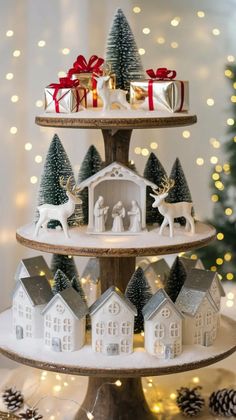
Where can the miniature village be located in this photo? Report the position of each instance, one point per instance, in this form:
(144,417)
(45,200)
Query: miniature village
(170,306)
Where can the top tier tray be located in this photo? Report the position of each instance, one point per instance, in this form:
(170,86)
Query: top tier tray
(116,119)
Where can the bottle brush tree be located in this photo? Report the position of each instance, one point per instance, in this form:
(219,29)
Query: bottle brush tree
(176,279)
(61,282)
(65,263)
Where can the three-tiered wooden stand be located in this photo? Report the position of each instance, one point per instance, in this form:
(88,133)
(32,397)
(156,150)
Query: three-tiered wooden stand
(117,263)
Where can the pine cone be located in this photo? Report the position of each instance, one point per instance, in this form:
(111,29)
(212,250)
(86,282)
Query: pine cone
(190,401)
(12,399)
(31,413)
(223,402)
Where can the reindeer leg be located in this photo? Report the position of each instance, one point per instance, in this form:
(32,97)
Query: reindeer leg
(192,224)
(164,223)
(65,227)
(171,227)
(187,224)
(38,225)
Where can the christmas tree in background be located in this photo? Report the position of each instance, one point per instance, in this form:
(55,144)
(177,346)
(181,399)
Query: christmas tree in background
(61,282)
(57,164)
(176,279)
(220,256)
(122,52)
(91,164)
(180,191)
(154,172)
(65,263)
(75,283)
(138,292)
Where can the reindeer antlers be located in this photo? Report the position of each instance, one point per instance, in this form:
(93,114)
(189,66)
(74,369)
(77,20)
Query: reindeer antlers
(66,185)
(166,185)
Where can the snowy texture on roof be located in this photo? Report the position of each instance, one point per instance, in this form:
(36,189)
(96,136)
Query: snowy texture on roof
(37,288)
(189,300)
(156,302)
(202,280)
(35,266)
(106,295)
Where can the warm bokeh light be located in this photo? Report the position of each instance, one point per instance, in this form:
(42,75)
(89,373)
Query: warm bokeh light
(141,51)
(146,31)
(136,9)
(175,21)
(200,161)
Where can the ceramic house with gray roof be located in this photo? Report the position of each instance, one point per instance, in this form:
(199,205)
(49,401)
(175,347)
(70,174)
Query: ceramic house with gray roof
(190,264)
(65,321)
(112,319)
(34,266)
(156,273)
(162,326)
(199,301)
(30,297)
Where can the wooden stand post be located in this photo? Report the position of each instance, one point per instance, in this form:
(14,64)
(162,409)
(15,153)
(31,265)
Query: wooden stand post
(116,145)
(116,271)
(106,401)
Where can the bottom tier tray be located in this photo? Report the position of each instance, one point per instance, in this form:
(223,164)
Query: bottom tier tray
(138,364)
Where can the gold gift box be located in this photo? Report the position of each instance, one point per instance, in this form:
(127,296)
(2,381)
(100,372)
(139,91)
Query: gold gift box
(86,81)
(66,101)
(168,95)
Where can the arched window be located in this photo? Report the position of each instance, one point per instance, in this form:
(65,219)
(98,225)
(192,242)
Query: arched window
(67,325)
(174,329)
(100,328)
(66,343)
(209,317)
(114,308)
(159,331)
(197,337)
(98,346)
(56,324)
(198,320)
(124,346)
(126,328)
(113,328)
(48,321)
(158,348)
(165,313)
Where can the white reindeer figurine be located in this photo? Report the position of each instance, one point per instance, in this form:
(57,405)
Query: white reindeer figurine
(110,96)
(59,212)
(170,211)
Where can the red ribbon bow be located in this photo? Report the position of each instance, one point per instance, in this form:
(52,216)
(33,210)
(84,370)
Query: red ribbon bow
(83,66)
(161,73)
(64,83)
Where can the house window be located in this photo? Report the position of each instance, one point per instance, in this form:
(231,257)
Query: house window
(214,332)
(56,324)
(98,346)
(177,347)
(159,331)
(28,312)
(66,342)
(20,311)
(60,308)
(174,329)
(28,330)
(47,337)
(209,317)
(124,346)
(198,320)
(114,308)
(67,327)
(165,313)
(21,294)
(158,348)
(126,328)
(14,307)
(48,321)
(112,328)
(197,337)
(100,328)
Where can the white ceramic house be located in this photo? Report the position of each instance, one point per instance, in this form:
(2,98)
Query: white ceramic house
(190,264)
(30,297)
(65,321)
(112,319)
(156,273)
(117,189)
(199,301)
(162,326)
(34,266)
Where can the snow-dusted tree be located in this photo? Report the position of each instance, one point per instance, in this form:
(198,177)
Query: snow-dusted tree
(65,263)
(122,52)
(91,164)
(180,191)
(176,279)
(75,283)
(138,292)
(61,282)
(57,164)
(154,172)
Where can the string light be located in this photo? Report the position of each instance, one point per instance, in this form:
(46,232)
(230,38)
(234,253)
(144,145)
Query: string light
(137,150)
(200,161)
(229,303)
(219,261)
(9,33)
(214,198)
(186,134)
(145,152)
(200,14)
(215,176)
(213,268)
(216,31)
(90,415)
(230,121)
(146,31)
(210,102)
(228,256)
(220,236)
(57,388)
(219,185)
(141,51)
(38,159)
(218,168)
(15,98)
(41,43)
(13,130)
(16,53)
(174,44)
(9,76)
(175,21)
(229,276)
(39,103)
(161,40)
(193,257)
(226,167)
(233,98)
(228,73)
(230,295)
(196,380)
(231,58)
(136,9)
(228,211)
(28,146)
(214,159)
(153,145)
(118,383)
(66,51)
(33,179)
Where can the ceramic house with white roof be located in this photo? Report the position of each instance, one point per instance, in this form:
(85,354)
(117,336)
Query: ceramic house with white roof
(162,326)
(199,301)
(65,321)
(117,200)
(30,297)
(112,319)
(34,266)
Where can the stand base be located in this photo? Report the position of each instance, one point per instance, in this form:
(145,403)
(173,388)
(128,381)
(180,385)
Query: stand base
(106,401)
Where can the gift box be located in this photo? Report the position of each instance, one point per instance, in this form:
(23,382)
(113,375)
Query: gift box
(65,97)
(85,72)
(161,92)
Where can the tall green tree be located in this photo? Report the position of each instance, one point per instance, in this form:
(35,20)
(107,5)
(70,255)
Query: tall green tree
(176,279)
(180,191)
(75,283)
(57,164)
(154,172)
(65,263)
(122,52)
(138,292)
(61,282)
(91,164)
(220,255)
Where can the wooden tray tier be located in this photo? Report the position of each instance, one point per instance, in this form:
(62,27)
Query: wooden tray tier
(116,119)
(139,363)
(97,245)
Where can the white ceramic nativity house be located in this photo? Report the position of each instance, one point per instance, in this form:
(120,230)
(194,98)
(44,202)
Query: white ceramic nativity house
(34,266)
(199,301)
(65,321)
(112,319)
(162,326)
(117,200)
(30,296)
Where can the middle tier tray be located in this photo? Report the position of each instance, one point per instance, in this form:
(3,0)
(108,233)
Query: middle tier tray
(146,243)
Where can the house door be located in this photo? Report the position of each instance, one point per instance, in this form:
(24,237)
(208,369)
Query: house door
(169,351)
(208,338)
(113,349)
(19,332)
(56,344)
